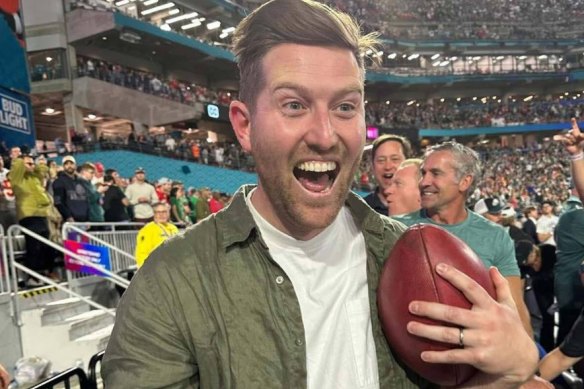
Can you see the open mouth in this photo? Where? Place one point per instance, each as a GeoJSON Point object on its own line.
{"type": "Point", "coordinates": [388, 176]}
{"type": "Point", "coordinates": [316, 176]}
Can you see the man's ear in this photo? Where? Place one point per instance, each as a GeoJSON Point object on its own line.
{"type": "Point", "coordinates": [465, 183]}
{"type": "Point", "coordinates": [240, 118]}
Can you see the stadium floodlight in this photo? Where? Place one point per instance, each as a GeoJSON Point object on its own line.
{"type": "Point", "coordinates": [453, 59]}
{"type": "Point", "coordinates": [566, 93]}
{"type": "Point", "coordinates": [174, 11]}
{"type": "Point", "coordinates": [543, 56]}
{"type": "Point", "coordinates": [182, 17]}
{"type": "Point", "coordinates": [413, 56]}
{"type": "Point", "coordinates": [437, 63]}
{"type": "Point", "coordinates": [228, 30]}
{"type": "Point", "coordinates": [474, 98]}
{"type": "Point", "coordinates": [435, 56]}
{"type": "Point", "coordinates": [410, 102]}
{"type": "Point", "coordinates": [122, 2]}
{"type": "Point", "coordinates": [528, 98]}
{"type": "Point", "coordinates": [444, 63]}
{"type": "Point", "coordinates": [194, 23]}
{"type": "Point", "coordinates": [213, 25]}
{"type": "Point", "coordinates": [500, 57]}
{"type": "Point", "coordinates": [387, 102]}
{"type": "Point", "coordinates": [392, 56]}
{"type": "Point", "coordinates": [158, 8]}
{"type": "Point", "coordinates": [165, 27]}
{"type": "Point", "coordinates": [150, 2]}
{"type": "Point", "coordinates": [442, 100]}
{"type": "Point", "coordinates": [522, 57]}
{"type": "Point", "coordinates": [458, 99]}
{"type": "Point", "coordinates": [49, 110]}
{"type": "Point", "coordinates": [477, 58]}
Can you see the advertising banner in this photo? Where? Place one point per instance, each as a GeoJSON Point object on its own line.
{"type": "Point", "coordinates": [95, 254]}
{"type": "Point", "coordinates": [16, 119]}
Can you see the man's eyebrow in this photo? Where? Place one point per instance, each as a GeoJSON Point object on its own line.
{"type": "Point", "coordinates": [303, 91]}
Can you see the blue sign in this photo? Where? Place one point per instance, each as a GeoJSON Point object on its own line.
{"type": "Point", "coordinates": [213, 111]}
{"type": "Point", "coordinates": [16, 120]}
{"type": "Point", "coordinates": [95, 254]}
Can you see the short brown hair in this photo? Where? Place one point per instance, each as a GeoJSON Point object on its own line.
{"type": "Point", "coordinates": [405, 143]}
{"type": "Point", "coordinates": [304, 22]}
{"type": "Point", "coordinates": [88, 166]}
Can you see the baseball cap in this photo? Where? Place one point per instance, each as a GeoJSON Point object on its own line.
{"type": "Point", "coordinates": [68, 158]}
{"type": "Point", "coordinates": [163, 181]}
{"type": "Point", "coordinates": [480, 207]}
{"type": "Point", "coordinates": [99, 167]}
{"type": "Point", "coordinates": [494, 206]}
{"type": "Point", "coordinates": [508, 212]}
{"type": "Point", "coordinates": [522, 250]}
{"type": "Point", "coordinates": [139, 170]}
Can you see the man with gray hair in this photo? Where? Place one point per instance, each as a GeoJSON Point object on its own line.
{"type": "Point", "coordinates": [450, 172]}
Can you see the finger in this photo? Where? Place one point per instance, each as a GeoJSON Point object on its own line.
{"type": "Point", "coordinates": [469, 287]}
{"type": "Point", "coordinates": [455, 355]}
{"type": "Point", "coordinates": [444, 334]}
{"type": "Point", "coordinates": [445, 313]}
{"type": "Point", "coordinates": [502, 289]}
{"type": "Point", "coordinates": [575, 128]}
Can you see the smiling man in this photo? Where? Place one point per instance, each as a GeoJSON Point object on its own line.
{"type": "Point", "coordinates": [278, 290]}
{"type": "Point", "coordinates": [387, 153]}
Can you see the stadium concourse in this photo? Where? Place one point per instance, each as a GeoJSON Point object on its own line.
{"type": "Point", "coordinates": [130, 105]}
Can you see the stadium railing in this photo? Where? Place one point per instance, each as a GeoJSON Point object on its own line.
{"type": "Point", "coordinates": [64, 379]}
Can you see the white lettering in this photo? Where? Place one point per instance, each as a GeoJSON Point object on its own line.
{"type": "Point", "coordinates": [12, 106]}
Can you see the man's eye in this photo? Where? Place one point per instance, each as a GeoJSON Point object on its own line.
{"type": "Point", "coordinates": [346, 107]}
{"type": "Point", "coordinates": [294, 105]}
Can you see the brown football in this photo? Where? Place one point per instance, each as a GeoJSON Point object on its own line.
{"type": "Point", "coordinates": [410, 274]}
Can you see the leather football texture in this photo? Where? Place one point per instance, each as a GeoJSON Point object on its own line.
{"type": "Point", "coordinates": [409, 274]}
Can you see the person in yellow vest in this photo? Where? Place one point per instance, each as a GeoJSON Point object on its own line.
{"type": "Point", "coordinates": [154, 233]}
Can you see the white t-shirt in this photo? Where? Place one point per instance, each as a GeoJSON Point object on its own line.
{"type": "Point", "coordinates": [547, 224]}
{"type": "Point", "coordinates": [329, 275]}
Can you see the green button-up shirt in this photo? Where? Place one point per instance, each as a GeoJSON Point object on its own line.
{"type": "Point", "coordinates": [206, 311]}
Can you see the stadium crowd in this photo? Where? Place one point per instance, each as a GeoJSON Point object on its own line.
{"type": "Point", "coordinates": [172, 89]}
{"type": "Point", "coordinates": [482, 112]}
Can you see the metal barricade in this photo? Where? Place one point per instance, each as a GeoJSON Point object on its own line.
{"type": "Point", "coordinates": [16, 230]}
{"type": "Point", "coordinates": [4, 269]}
{"type": "Point", "coordinates": [118, 238]}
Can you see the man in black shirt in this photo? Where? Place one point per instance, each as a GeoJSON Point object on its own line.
{"type": "Point", "coordinates": [114, 202]}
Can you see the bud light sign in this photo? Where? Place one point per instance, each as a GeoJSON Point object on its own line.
{"type": "Point", "coordinates": [16, 120]}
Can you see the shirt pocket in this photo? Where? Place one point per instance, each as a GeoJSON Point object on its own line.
{"type": "Point", "coordinates": [359, 317]}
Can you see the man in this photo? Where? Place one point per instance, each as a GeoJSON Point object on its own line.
{"type": "Point", "coordinates": [402, 194]}
{"type": "Point", "coordinates": [32, 209]}
{"type": "Point", "coordinates": [163, 187]}
{"type": "Point", "coordinates": [7, 201]}
{"type": "Point", "coordinates": [530, 224]}
{"type": "Point", "coordinates": [278, 290]}
{"type": "Point", "coordinates": [141, 196]}
{"type": "Point", "coordinates": [215, 204]}
{"type": "Point", "coordinates": [569, 237]}
{"type": "Point", "coordinates": [94, 195]}
{"type": "Point", "coordinates": [489, 208]}
{"type": "Point", "coordinates": [115, 202]}
{"type": "Point", "coordinates": [70, 194]}
{"type": "Point", "coordinates": [450, 172]}
{"type": "Point", "coordinates": [203, 210]}
{"type": "Point", "coordinates": [386, 155]}
{"type": "Point", "coordinates": [154, 233]}
{"type": "Point", "coordinates": [547, 223]}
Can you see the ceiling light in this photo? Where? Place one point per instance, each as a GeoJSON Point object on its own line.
{"type": "Point", "coordinates": [444, 63]}
{"type": "Point", "coordinates": [435, 56]}
{"type": "Point", "coordinates": [150, 2]}
{"type": "Point", "coordinates": [522, 57]}
{"type": "Point", "coordinates": [182, 17]}
{"type": "Point", "coordinates": [213, 25]}
{"type": "Point", "coordinates": [174, 11]}
{"type": "Point", "coordinates": [442, 100]}
{"type": "Point", "coordinates": [458, 99]}
{"type": "Point", "coordinates": [528, 98]}
{"type": "Point", "coordinates": [49, 110]}
{"type": "Point", "coordinates": [223, 35]}
{"type": "Point", "coordinates": [543, 56]}
{"type": "Point", "coordinates": [104, 38]}
{"type": "Point", "coordinates": [411, 102]}
{"type": "Point", "coordinates": [474, 98]}
{"type": "Point", "coordinates": [476, 58]}
{"type": "Point", "coordinates": [453, 59]}
{"type": "Point", "coordinates": [500, 57]}
{"type": "Point", "coordinates": [91, 116]}
{"type": "Point", "coordinates": [392, 55]}
{"type": "Point", "coordinates": [194, 23]}
{"type": "Point", "coordinates": [49, 59]}
{"type": "Point", "coordinates": [437, 63]}
{"type": "Point", "coordinates": [157, 9]}
{"type": "Point", "coordinates": [122, 2]}
{"type": "Point", "coordinates": [228, 30]}
{"type": "Point", "coordinates": [387, 102]}
{"type": "Point", "coordinates": [413, 56]}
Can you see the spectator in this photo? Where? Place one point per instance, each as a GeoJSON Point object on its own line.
{"type": "Point", "coordinates": [402, 194]}
{"type": "Point", "coordinates": [163, 186]}
{"type": "Point", "coordinates": [154, 233]}
{"type": "Point", "coordinates": [529, 226]}
{"type": "Point", "coordinates": [141, 196]}
{"type": "Point", "coordinates": [115, 202]}
{"type": "Point", "coordinates": [7, 200]}
{"type": "Point", "coordinates": [387, 153]}
{"type": "Point", "coordinates": [179, 214]}
{"type": "Point", "coordinates": [94, 196]}
{"type": "Point", "coordinates": [70, 194]}
{"type": "Point", "coordinates": [449, 173]}
{"type": "Point", "coordinates": [215, 204]}
{"type": "Point", "coordinates": [33, 205]}
{"type": "Point", "coordinates": [546, 224]}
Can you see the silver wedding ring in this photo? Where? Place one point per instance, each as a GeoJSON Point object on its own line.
{"type": "Point", "coordinates": [461, 338]}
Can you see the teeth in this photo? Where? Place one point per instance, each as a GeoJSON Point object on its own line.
{"type": "Point", "coordinates": [316, 166]}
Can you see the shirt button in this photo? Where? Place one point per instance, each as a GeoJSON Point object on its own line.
{"type": "Point", "coordinates": [299, 342]}
{"type": "Point", "coordinates": [279, 280]}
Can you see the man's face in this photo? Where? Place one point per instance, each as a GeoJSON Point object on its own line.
{"type": "Point", "coordinates": [306, 134]}
{"type": "Point", "coordinates": [69, 167]}
{"type": "Point", "coordinates": [533, 214]}
{"type": "Point", "coordinates": [166, 187]}
{"type": "Point", "coordinates": [15, 152]}
{"type": "Point", "coordinates": [439, 186]}
{"type": "Point", "coordinates": [29, 164]}
{"type": "Point", "coordinates": [494, 217]}
{"type": "Point", "coordinates": [87, 174]}
{"type": "Point", "coordinates": [546, 209]}
{"type": "Point", "coordinates": [140, 177]}
{"type": "Point", "coordinates": [403, 193]}
{"type": "Point", "coordinates": [161, 214]}
{"type": "Point", "coordinates": [387, 159]}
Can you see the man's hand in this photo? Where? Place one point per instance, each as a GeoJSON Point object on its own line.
{"type": "Point", "coordinates": [537, 383]}
{"type": "Point", "coordinates": [573, 139]}
{"type": "Point", "coordinates": [495, 341]}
